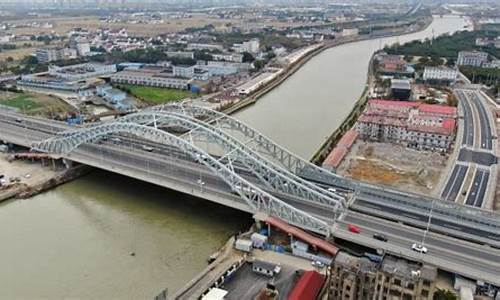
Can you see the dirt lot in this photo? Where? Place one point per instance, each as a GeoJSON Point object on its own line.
{"type": "Point", "coordinates": [35, 103]}
{"type": "Point", "coordinates": [394, 165]}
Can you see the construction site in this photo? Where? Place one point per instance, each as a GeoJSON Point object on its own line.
{"type": "Point", "coordinates": [394, 165]}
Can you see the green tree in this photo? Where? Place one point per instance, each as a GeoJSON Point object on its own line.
{"type": "Point", "coordinates": [442, 294]}
{"type": "Point", "coordinates": [247, 57]}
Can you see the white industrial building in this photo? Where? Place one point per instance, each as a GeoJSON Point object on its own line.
{"type": "Point", "coordinates": [151, 77]}
{"type": "Point", "coordinates": [440, 73]}
{"type": "Point", "coordinates": [472, 58]}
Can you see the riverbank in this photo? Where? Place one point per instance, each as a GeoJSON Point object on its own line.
{"type": "Point", "coordinates": [23, 179]}
{"type": "Point", "coordinates": [291, 69]}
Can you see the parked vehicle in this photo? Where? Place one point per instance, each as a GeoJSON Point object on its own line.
{"type": "Point", "coordinates": [419, 248]}
{"type": "Point", "coordinates": [353, 228]}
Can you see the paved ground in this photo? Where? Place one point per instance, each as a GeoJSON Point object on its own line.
{"type": "Point", "coordinates": [394, 165]}
{"type": "Point", "coordinates": [246, 284]}
{"type": "Point", "coordinates": [29, 173]}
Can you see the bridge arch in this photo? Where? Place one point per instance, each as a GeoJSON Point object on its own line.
{"type": "Point", "coordinates": [273, 176]}
{"type": "Point", "coordinates": [256, 198]}
{"type": "Point", "coordinates": [261, 143]}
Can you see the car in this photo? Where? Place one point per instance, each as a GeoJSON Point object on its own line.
{"type": "Point", "coordinates": [147, 148]}
{"type": "Point", "coordinates": [419, 248]}
{"type": "Point", "coordinates": [380, 237]}
{"type": "Point", "coordinates": [353, 228]}
{"type": "Point", "coordinates": [317, 264]}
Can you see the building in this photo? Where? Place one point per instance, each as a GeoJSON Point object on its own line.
{"type": "Point", "coordinates": [350, 32]}
{"type": "Point", "coordinates": [337, 155]}
{"type": "Point", "coordinates": [265, 268]}
{"type": "Point", "coordinates": [415, 125]}
{"type": "Point", "coordinates": [308, 287]}
{"type": "Point", "coordinates": [390, 278]}
{"type": "Point", "coordinates": [401, 89]}
{"type": "Point", "coordinates": [256, 83]}
{"type": "Point", "coordinates": [251, 46]}
{"type": "Point", "coordinates": [116, 98]}
{"type": "Point", "coordinates": [351, 277]}
{"type": "Point", "coordinates": [81, 71]}
{"type": "Point", "coordinates": [228, 57]}
{"type": "Point", "coordinates": [198, 46]}
{"type": "Point", "coordinates": [44, 55]}
{"type": "Point", "coordinates": [440, 74]}
{"type": "Point", "coordinates": [398, 278]}
{"type": "Point", "coordinates": [152, 76]}
{"type": "Point", "coordinates": [472, 58]}
{"type": "Point", "coordinates": [183, 71]}
{"type": "Point", "coordinates": [394, 65]}
{"type": "Point", "coordinates": [83, 49]}
{"type": "Point", "coordinates": [180, 54]}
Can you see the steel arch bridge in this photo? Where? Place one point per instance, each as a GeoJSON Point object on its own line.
{"type": "Point", "coordinates": [256, 141]}
{"type": "Point", "coordinates": [273, 176]}
{"type": "Point", "coordinates": [145, 126]}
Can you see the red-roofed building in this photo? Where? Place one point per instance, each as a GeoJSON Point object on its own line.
{"type": "Point", "coordinates": [416, 125]}
{"type": "Point", "coordinates": [338, 153]}
{"type": "Point", "coordinates": [308, 287]}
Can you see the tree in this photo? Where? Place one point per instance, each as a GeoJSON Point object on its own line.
{"type": "Point", "coordinates": [10, 59]}
{"type": "Point", "coordinates": [443, 294]}
{"type": "Point", "coordinates": [259, 64]}
{"type": "Point", "coordinates": [247, 57]}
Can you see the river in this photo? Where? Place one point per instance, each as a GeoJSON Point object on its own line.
{"type": "Point", "coordinates": [303, 111]}
{"type": "Point", "coordinates": [75, 241]}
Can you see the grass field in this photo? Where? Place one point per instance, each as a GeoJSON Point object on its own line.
{"type": "Point", "coordinates": [22, 102]}
{"type": "Point", "coordinates": [155, 95]}
{"type": "Point", "coordinates": [35, 103]}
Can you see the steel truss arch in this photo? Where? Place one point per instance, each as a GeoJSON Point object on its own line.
{"type": "Point", "coordinates": [271, 175]}
{"type": "Point", "coordinates": [256, 198]}
{"type": "Point", "coordinates": [290, 161]}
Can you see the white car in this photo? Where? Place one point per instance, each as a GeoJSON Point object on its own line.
{"type": "Point", "coordinates": [419, 248]}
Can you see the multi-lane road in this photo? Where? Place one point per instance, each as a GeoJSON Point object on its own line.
{"type": "Point", "coordinates": [466, 258]}
{"type": "Point", "coordinates": [471, 174]}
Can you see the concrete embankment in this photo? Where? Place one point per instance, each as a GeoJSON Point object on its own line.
{"type": "Point", "coordinates": [23, 190]}
{"type": "Point", "coordinates": [291, 69]}
{"type": "Point", "coordinates": [351, 119]}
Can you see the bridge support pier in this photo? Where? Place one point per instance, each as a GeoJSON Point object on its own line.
{"type": "Point", "coordinates": [67, 163]}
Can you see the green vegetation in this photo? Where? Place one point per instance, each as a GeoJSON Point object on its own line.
{"type": "Point", "coordinates": [488, 76]}
{"type": "Point", "coordinates": [442, 294]}
{"type": "Point", "coordinates": [155, 95]}
{"type": "Point", "coordinates": [22, 102]}
{"type": "Point", "coordinates": [446, 46]}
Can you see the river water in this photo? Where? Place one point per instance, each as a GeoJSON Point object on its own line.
{"type": "Point", "coordinates": [75, 241]}
{"type": "Point", "coordinates": [303, 111]}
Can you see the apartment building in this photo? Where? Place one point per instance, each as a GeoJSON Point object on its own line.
{"type": "Point", "coordinates": [399, 279]}
{"type": "Point", "coordinates": [360, 278]}
{"type": "Point", "coordinates": [472, 58]}
{"type": "Point", "coordinates": [351, 278]}
{"type": "Point", "coordinates": [415, 125]}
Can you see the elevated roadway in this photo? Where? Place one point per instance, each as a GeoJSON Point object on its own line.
{"type": "Point", "coordinates": [474, 260]}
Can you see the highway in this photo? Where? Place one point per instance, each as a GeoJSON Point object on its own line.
{"type": "Point", "coordinates": [476, 152]}
{"type": "Point", "coordinates": [476, 260]}
{"type": "Point", "coordinates": [454, 184]}
{"type": "Point", "coordinates": [468, 134]}
{"type": "Point", "coordinates": [486, 136]}
{"type": "Point", "coordinates": [478, 188]}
